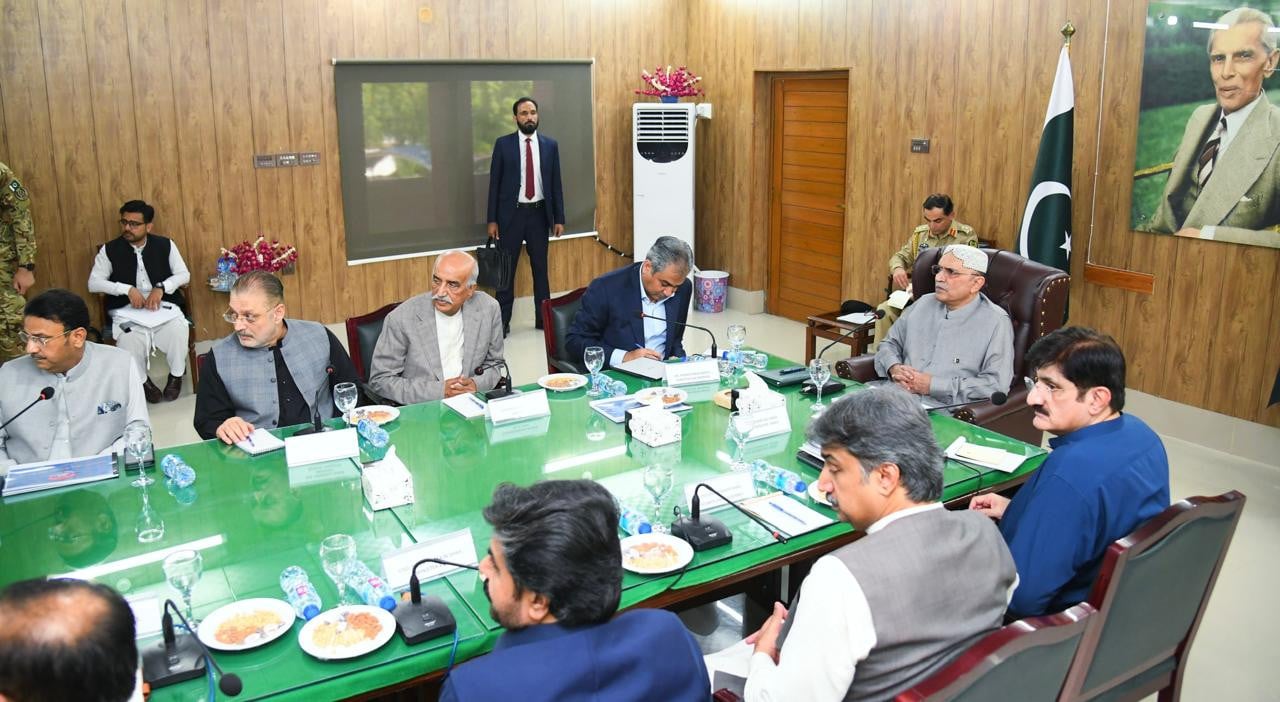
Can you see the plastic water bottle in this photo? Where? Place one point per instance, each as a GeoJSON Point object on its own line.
{"type": "Point", "coordinates": [300, 592]}
{"type": "Point", "coordinates": [177, 470]}
{"type": "Point", "coordinates": [370, 588]}
{"type": "Point", "coordinates": [371, 432]}
{"type": "Point", "coordinates": [631, 521]}
{"type": "Point", "coordinates": [779, 478]}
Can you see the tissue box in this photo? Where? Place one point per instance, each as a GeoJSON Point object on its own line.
{"type": "Point", "coordinates": [654, 426]}
{"type": "Point", "coordinates": [387, 483]}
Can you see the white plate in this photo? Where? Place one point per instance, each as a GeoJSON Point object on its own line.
{"type": "Point", "coordinates": [684, 553]}
{"type": "Point", "coordinates": [555, 382]}
{"type": "Point", "coordinates": [646, 396]}
{"type": "Point", "coordinates": [354, 417]}
{"type": "Point", "coordinates": [818, 496]}
{"type": "Point", "coordinates": [335, 617]}
{"type": "Point", "coordinates": [208, 629]}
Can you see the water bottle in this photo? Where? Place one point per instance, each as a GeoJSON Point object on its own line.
{"type": "Point", "coordinates": [371, 432]}
{"type": "Point", "coordinates": [779, 478]}
{"type": "Point", "coordinates": [369, 587]}
{"type": "Point", "coordinates": [631, 521]}
{"type": "Point", "coordinates": [177, 470]}
{"type": "Point", "coordinates": [300, 592]}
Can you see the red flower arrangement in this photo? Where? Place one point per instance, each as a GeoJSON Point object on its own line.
{"type": "Point", "coordinates": [261, 255]}
{"type": "Point", "coordinates": [668, 83]}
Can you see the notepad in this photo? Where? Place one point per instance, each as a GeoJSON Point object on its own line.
{"type": "Point", "coordinates": [644, 367]}
{"type": "Point", "coordinates": [260, 441]}
{"type": "Point", "coordinates": [985, 456]}
{"type": "Point", "coordinates": [466, 404]}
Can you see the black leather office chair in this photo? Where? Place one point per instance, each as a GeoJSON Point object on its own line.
{"type": "Point", "coordinates": [557, 315]}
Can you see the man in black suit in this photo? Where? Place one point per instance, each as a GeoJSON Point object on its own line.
{"type": "Point", "coordinates": [525, 202]}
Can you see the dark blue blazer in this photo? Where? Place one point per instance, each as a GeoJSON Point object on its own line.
{"type": "Point", "coordinates": [644, 654]}
{"type": "Point", "coordinates": [504, 180]}
{"type": "Point", "coordinates": [610, 316]}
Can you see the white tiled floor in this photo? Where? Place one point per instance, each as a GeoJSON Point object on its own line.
{"type": "Point", "coordinates": [1234, 645]}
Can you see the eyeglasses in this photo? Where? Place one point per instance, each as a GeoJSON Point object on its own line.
{"type": "Point", "coordinates": [949, 272]}
{"type": "Point", "coordinates": [41, 341]}
{"type": "Point", "coordinates": [232, 317]}
{"type": "Point", "coordinates": [131, 224]}
{"type": "Point", "coordinates": [1033, 383]}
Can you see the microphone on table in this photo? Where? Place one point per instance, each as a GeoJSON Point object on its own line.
{"type": "Point", "coordinates": [714, 352]}
{"type": "Point", "coordinates": [703, 532]}
{"type": "Point", "coordinates": [45, 393]}
{"type": "Point", "coordinates": [317, 425]}
{"type": "Point", "coordinates": [852, 307]}
{"type": "Point", "coordinates": [425, 618]}
{"type": "Point", "coordinates": [173, 659]}
{"type": "Point", "coordinates": [503, 388]}
{"type": "Point", "coordinates": [997, 398]}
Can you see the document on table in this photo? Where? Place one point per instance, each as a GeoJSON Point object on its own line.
{"type": "Point", "coordinates": [986, 456]}
{"type": "Point", "coordinates": [260, 441]}
{"type": "Point", "coordinates": [466, 404]}
{"type": "Point", "coordinates": [788, 515]}
{"type": "Point", "coordinates": [644, 367]}
{"type": "Point", "coordinates": [857, 317]}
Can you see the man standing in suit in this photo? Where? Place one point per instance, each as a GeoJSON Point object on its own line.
{"type": "Point", "coordinates": [1225, 181]}
{"type": "Point", "coordinates": [525, 202]}
{"type": "Point", "coordinates": [432, 345]}
{"type": "Point", "coordinates": [553, 576]}
{"type": "Point", "coordinates": [610, 313]}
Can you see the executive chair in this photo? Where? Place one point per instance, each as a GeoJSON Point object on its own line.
{"type": "Point", "coordinates": [557, 315]}
{"type": "Point", "coordinates": [1034, 295]}
{"type": "Point", "coordinates": [362, 336]}
{"type": "Point", "coordinates": [1151, 594]}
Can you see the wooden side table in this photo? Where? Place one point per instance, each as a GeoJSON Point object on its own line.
{"type": "Point", "coordinates": [826, 326]}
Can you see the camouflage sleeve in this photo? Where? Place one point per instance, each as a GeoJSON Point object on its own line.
{"type": "Point", "coordinates": [971, 238]}
{"type": "Point", "coordinates": [905, 256]}
{"type": "Point", "coordinates": [15, 218]}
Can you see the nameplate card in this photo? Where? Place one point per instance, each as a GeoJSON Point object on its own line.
{"type": "Point", "coordinates": [457, 547]}
{"type": "Point", "coordinates": [147, 614]}
{"type": "Point", "coordinates": [769, 422]}
{"type": "Point", "coordinates": [514, 408]}
{"type": "Point", "coordinates": [735, 486]}
{"type": "Point", "coordinates": [321, 446]}
{"type": "Point", "coordinates": [693, 372]}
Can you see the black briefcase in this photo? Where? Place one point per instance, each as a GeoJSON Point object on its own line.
{"type": "Point", "coordinates": [496, 266]}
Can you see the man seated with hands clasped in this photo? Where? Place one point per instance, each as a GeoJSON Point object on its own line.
{"type": "Point", "coordinates": [1107, 473]}
{"type": "Point", "coordinates": [271, 371]}
{"type": "Point", "coordinates": [432, 345]}
{"type": "Point", "coordinates": [953, 344]}
{"type": "Point", "coordinates": [610, 315]}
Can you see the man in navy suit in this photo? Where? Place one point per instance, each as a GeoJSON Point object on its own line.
{"type": "Point", "coordinates": [553, 576]}
{"type": "Point", "coordinates": [525, 202]}
{"type": "Point", "coordinates": [610, 313]}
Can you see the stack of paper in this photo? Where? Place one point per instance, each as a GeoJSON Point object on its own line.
{"type": "Point", "coordinates": [787, 515]}
{"type": "Point", "coordinates": [260, 441]}
{"type": "Point", "coordinates": [985, 456]}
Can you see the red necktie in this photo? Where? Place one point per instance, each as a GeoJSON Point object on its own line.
{"type": "Point", "coordinates": [528, 168]}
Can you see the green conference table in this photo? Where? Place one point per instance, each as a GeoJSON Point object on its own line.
{"type": "Point", "coordinates": [250, 521]}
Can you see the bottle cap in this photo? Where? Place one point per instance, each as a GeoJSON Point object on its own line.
{"type": "Point", "coordinates": [644, 528]}
{"type": "Point", "coordinates": [310, 611]}
{"type": "Point", "coordinates": [388, 603]}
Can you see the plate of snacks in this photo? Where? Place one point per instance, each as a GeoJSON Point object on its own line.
{"type": "Point", "coordinates": [653, 554]}
{"type": "Point", "coordinates": [562, 382]}
{"type": "Point", "coordinates": [347, 632]}
{"type": "Point", "coordinates": [246, 624]}
{"type": "Point", "coordinates": [819, 496]}
{"type": "Point", "coordinates": [382, 414]}
{"type": "Point", "coordinates": [670, 396]}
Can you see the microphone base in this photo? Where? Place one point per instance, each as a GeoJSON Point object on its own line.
{"type": "Point", "coordinates": [428, 619]}
{"type": "Point", "coordinates": [702, 533]}
{"type": "Point", "coordinates": [188, 663]}
{"type": "Point", "coordinates": [830, 388]}
{"type": "Point", "coordinates": [499, 392]}
{"type": "Point", "coordinates": [311, 430]}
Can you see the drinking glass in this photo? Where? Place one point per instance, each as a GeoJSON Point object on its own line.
{"type": "Point", "coordinates": [345, 396]}
{"type": "Point", "coordinates": [149, 526]}
{"type": "Point", "coordinates": [737, 335]}
{"type": "Point", "coordinates": [137, 443]}
{"type": "Point", "coordinates": [819, 373]}
{"type": "Point", "coordinates": [182, 569]}
{"type": "Point", "coordinates": [337, 554]}
{"type": "Point", "coordinates": [594, 358]}
{"type": "Point", "coordinates": [658, 481]}
{"type": "Point", "coordinates": [739, 431]}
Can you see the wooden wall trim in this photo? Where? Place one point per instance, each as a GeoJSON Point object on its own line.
{"type": "Point", "coordinates": [1109, 277]}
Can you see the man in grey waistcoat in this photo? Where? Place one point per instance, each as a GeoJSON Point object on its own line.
{"type": "Point", "coordinates": [97, 389]}
{"type": "Point", "coordinates": [272, 371]}
{"type": "Point", "coordinates": [881, 614]}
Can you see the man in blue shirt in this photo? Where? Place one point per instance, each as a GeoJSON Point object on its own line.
{"type": "Point", "coordinates": [553, 576]}
{"type": "Point", "coordinates": [1107, 474]}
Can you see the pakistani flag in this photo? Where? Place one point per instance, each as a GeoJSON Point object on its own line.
{"type": "Point", "coordinates": [1046, 223]}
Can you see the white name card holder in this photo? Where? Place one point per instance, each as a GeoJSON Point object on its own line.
{"type": "Point", "coordinates": [769, 422]}
{"type": "Point", "coordinates": [456, 547]}
{"type": "Point", "coordinates": [321, 446]}
{"type": "Point", "coordinates": [514, 408]}
{"type": "Point", "coordinates": [693, 372]}
{"type": "Point", "coordinates": [735, 486]}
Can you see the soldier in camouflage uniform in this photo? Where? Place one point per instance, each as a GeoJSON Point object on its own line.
{"type": "Point", "coordinates": [17, 260]}
{"type": "Point", "coordinates": [939, 229]}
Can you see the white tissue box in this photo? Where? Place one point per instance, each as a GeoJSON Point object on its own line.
{"type": "Point", "coordinates": [387, 483]}
{"type": "Point", "coordinates": [654, 426]}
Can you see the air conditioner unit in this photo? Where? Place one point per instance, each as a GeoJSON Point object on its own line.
{"type": "Point", "coordinates": [662, 167]}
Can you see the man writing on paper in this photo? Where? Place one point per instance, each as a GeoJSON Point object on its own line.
{"type": "Point", "coordinates": [553, 576]}
{"type": "Point", "coordinates": [97, 388]}
{"type": "Point", "coordinates": [141, 270]}
{"type": "Point", "coordinates": [432, 344]}
{"type": "Point", "coordinates": [610, 313]}
{"type": "Point", "coordinates": [1107, 474]}
{"type": "Point", "coordinates": [953, 344]}
{"type": "Point", "coordinates": [869, 621]}
{"type": "Point", "coordinates": [940, 229]}
{"type": "Point", "coordinates": [271, 371]}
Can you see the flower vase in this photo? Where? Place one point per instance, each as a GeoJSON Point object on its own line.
{"type": "Point", "coordinates": [669, 98]}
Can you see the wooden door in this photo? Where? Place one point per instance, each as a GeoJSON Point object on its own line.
{"type": "Point", "coordinates": [807, 191]}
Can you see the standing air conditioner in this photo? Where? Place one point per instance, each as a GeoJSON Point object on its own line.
{"type": "Point", "coordinates": [662, 163]}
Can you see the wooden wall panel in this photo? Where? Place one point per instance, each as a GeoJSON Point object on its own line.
{"type": "Point", "coordinates": [114, 127]}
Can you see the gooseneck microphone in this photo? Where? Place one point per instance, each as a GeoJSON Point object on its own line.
{"type": "Point", "coordinates": [503, 388]}
{"type": "Point", "coordinates": [703, 532]}
{"type": "Point", "coordinates": [45, 394]}
{"type": "Point", "coordinates": [876, 315]}
{"type": "Point", "coordinates": [714, 353]}
{"type": "Point", "coordinates": [997, 398]}
{"type": "Point", "coordinates": [422, 618]}
{"type": "Point", "coordinates": [317, 424]}
{"type": "Point", "coordinates": [173, 660]}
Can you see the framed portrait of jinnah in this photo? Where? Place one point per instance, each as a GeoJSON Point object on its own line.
{"type": "Point", "coordinates": [1208, 139]}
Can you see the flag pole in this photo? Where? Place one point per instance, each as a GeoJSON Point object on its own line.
{"type": "Point", "coordinates": [1068, 30]}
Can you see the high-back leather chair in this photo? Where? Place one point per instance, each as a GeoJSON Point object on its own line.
{"type": "Point", "coordinates": [557, 315]}
{"type": "Point", "coordinates": [362, 335]}
{"type": "Point", "coordinates": [1151, 594]}
{"type": "Point", "coordinates": [1034, 295]}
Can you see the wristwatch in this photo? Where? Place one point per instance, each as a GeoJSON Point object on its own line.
{"type": "Point", "coordinates": [29, 266]}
